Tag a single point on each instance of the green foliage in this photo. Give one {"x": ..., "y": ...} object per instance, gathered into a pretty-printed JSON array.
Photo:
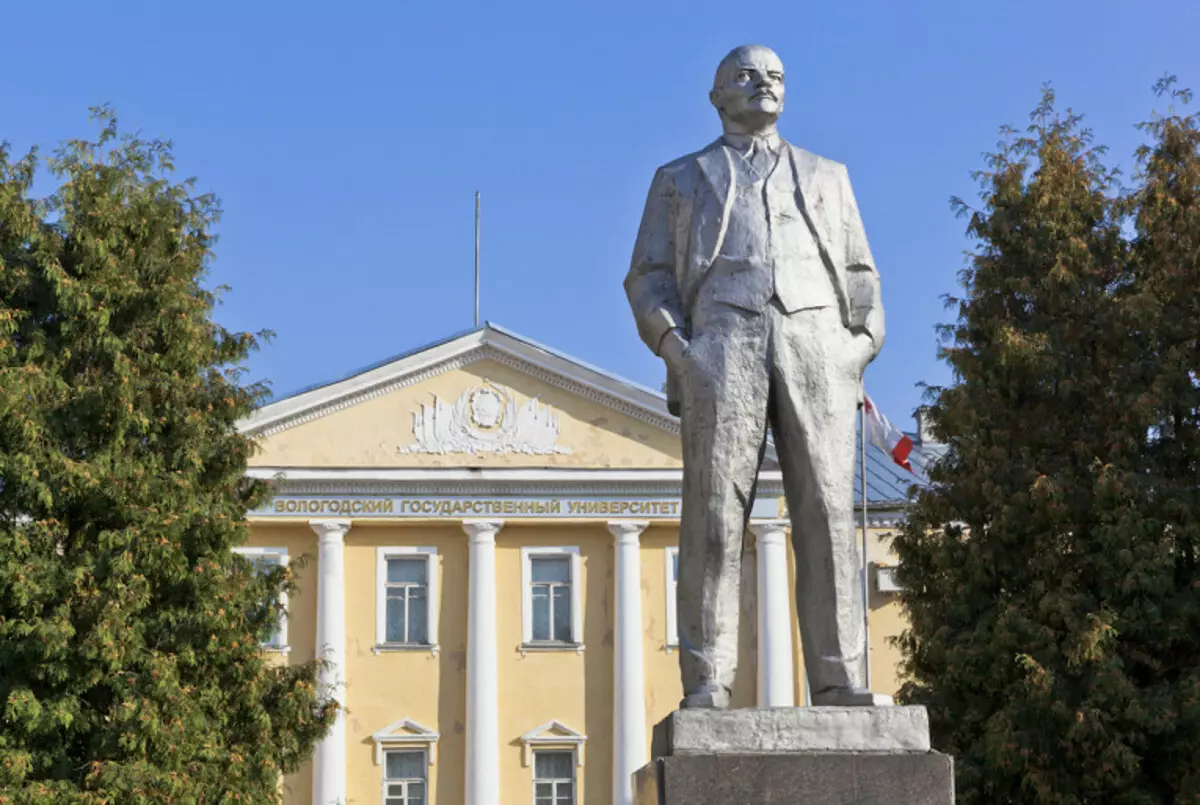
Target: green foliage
[
  {"x": 1051, "y": 572},
  {"x": 130, "y": 668}
]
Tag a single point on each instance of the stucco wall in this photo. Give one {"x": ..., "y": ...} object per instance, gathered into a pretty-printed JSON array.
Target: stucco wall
[{"x": 573, "y": 688}]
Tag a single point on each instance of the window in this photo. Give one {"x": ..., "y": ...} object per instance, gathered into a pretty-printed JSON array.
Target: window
[
  {"x": 554, "y": 777},
  {"x": 885, "y": 578},
  {"x": 404, "y": 778},
  {"x": 264, "y": 560},
  {"x": 551, "y": 599},
  {"x": 406, "y": 598},
  {"x": 551, "y": 615},
  {"x": 672, "y": 562},
  {"x": 407, "y": 605}
]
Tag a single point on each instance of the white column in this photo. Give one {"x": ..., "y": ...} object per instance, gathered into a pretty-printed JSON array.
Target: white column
[
  {"x": 775, "y": 675},
  {"x": 483, "y": 690},
  {"x": 629, "y": 694},
  {"x": 329, "y": 760}
]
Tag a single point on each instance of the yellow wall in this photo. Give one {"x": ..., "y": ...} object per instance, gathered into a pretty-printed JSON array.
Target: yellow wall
[
  {"x": 887, "y": 620},
  {"x": 369, "y": 433},
  {"x": 663, "y": 687},
  {"x": 573, "y": 688},
  {"x": 386, "y": 687},
  {"x": 567, "y": 686},
  {"x": 301, "y": 546}
]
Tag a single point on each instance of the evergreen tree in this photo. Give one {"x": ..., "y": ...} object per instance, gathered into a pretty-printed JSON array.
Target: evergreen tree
[
  {"x": 1165, "y": 209},
  {"x": 130, "y": 662},
  {"x": 1050, "y": 571}
]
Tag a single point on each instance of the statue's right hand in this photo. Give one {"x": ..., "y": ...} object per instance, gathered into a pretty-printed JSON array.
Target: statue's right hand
[{"x": 673, "y": 350}]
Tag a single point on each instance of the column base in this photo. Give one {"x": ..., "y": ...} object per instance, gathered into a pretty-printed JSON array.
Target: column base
[{"x": 779, "y": 756}]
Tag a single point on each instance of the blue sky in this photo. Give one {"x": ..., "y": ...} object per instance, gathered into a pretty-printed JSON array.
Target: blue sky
[{"x": 346, "y": 141}]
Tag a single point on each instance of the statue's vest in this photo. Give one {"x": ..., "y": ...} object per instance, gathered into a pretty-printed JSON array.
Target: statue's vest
[{"x": 768, "y": 248}]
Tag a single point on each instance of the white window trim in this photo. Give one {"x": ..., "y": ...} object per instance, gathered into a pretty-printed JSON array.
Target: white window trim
[
  {"x": 382, "y": 554},
  {"x": 527, "y": 556},
  {"x": 574, "y": 776},
  {"x": 885, "y": 578},
  {"x": 669, "y": 554},
  {"x": 411, "y": 747},
  {"x": 545, "y": 737},
  {"x": 420, "y": 738},
  {"x": 281, "y": 554}
]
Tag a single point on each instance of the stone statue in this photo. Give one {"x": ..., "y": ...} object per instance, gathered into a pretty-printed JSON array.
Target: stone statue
[{"x": 752, "y": 279}]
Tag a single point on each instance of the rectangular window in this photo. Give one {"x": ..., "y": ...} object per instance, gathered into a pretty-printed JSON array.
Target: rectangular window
[
  {"x": 551, "y": 599},
  {"x": 407, "y": 592},
  {"x": 404, "y": 778},
  {"x": 264, "y": 560},
  {"x": 406, "y": 581},
  {"x": 554, "y": 778},
  {"x": 672, "y": 561},
  {"x": 551, "y": 595}
]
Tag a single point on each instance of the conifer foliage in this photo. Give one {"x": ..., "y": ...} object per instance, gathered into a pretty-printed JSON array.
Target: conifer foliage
[
  {"x": 1051, "y": 571},
  {"x": 130, "y": 662}
]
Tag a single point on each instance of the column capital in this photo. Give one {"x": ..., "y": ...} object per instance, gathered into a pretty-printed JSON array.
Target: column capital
[
  {"x": 769, "y": 531},
  {"x": 330, "y": 530},
  {"x": 482, "y": 530},
  {"x": 627, "y": 531}
]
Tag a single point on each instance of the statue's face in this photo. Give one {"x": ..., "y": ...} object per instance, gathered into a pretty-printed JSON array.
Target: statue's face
[{"x": 749, "y": 86}]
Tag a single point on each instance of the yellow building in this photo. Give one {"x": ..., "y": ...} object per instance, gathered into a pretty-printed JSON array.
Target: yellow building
[{"x": 484, "y": 535}]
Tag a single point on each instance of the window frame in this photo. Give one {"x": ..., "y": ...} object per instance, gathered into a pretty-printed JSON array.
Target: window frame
[
  {"x": 885, "y": 579},
  {"x": 575, "y": 765},
  {"x": 429, "y": 554},
  {"x": 671, "y": 557},
  {"x": 528, "y": 554},
  {"x": 425, "y": 764},
  {"x": 281, "y": 644}
]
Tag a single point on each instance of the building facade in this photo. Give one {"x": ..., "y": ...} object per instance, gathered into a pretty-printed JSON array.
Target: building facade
[{"x": 484, "y": 536}]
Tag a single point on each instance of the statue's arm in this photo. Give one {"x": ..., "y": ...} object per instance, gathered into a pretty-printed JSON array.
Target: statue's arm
[
  {"x": 650, "y": 285},
  {"x": 862, "y": 278}
]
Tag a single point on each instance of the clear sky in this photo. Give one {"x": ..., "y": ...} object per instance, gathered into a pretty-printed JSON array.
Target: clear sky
[{"x": 346, "y": 141}]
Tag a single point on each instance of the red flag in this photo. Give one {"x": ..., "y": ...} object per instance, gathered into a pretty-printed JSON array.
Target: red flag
[{"x": 887, "y": 437}]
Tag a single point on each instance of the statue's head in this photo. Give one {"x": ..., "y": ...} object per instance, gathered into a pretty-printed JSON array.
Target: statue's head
[{"x": 748, "y": 88}]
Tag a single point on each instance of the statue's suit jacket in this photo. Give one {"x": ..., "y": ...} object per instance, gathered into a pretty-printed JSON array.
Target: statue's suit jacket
[{"x": 683, "y": 228}]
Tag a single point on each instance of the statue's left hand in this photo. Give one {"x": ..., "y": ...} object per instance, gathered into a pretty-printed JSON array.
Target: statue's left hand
[{"x": 863, "y": 350}]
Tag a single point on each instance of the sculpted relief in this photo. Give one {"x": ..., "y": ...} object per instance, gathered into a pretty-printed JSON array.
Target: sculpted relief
[{"x": 485, "y": 420}]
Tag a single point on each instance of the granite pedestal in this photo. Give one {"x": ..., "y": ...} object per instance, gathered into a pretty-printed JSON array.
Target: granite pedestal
[{"x": 797, "y": 756}]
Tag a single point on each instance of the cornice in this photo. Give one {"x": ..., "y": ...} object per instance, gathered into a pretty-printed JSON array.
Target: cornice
[
  {"x": 483, "y": 352},
  {"x": 362, "y": 395},
  {"x": 667, "y": 423},
  {"x": 455, "y": 488}
]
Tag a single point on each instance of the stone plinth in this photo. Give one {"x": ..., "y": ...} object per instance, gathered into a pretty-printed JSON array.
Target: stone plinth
[{"x": 813, "y": 755}]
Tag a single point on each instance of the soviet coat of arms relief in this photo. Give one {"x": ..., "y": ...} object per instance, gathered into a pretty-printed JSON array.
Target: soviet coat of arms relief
[{"x": 485, "y": 419}]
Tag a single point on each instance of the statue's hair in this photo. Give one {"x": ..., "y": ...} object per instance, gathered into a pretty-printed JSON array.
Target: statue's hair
[{"x": 731, "y": 59}]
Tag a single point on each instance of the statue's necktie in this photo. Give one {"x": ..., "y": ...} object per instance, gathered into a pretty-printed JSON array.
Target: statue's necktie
[{"x": 759, "y": 159}]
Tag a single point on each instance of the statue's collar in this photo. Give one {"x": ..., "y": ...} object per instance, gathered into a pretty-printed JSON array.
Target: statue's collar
[{"x": 742, "y": 142}]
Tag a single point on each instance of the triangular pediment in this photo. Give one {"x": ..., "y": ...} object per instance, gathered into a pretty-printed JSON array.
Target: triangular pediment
[
  {"x": 406, "y": 733},
  {"x": 405, "y": 728},
  {"x": 488, "y": 398},
  {"x": 553, "y": 731}
]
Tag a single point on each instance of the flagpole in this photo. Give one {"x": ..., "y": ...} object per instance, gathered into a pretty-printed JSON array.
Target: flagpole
[
  {"x": 866, "y": 576},
  {"x": 476, "y": 258}
]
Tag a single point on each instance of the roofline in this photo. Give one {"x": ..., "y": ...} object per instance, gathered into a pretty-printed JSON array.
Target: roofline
[
  {"x": 372, "y": 366},
  {"x": 422, "y": 362},
  {"x": 495, "y": 342}
]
